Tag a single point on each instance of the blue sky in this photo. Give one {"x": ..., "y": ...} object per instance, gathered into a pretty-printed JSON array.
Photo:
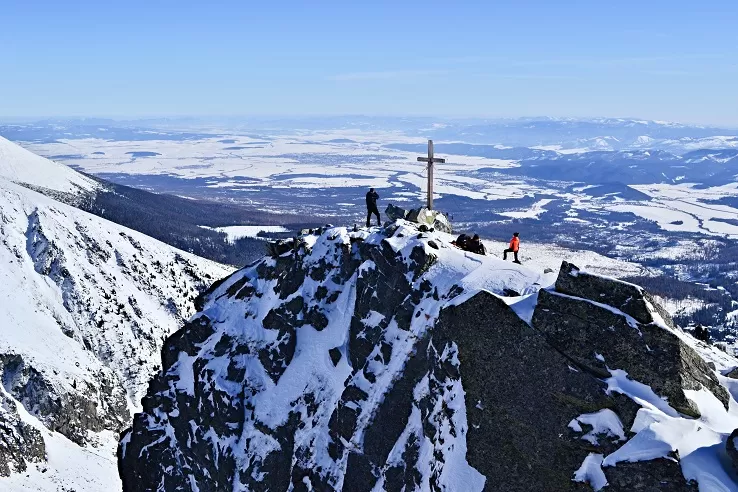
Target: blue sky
[{"x": 654, "y": 59}]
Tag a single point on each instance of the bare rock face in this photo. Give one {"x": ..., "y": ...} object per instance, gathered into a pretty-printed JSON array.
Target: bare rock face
[
  {"x": 731, "y": 447},
  {"x": 657, "y": 475},
  {"x": 520, "y": 395},
  {"x": 19, "y": 442},
  {"x": 335, "y": 368},
  {"x": 626, "y": 297},
  {"x": 72, "y": 413}
]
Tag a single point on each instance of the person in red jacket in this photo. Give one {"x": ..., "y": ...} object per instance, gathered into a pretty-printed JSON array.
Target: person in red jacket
[{"x": 514, "y": 247}]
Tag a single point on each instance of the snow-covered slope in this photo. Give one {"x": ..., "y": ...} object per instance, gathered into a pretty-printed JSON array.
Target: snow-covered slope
[
  {"x": 24, "y": 167},
  {"x": 390, "y": 360},
  {"x": 85, "y": 305}
]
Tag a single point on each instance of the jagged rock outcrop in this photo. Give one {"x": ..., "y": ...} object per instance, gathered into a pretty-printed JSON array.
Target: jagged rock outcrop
[
  {"x": 583, "y": 318},
  {"x": 97, "y": 406},
  {"x": 393, "y": 361},
  {"x": 20, "y": 443}
]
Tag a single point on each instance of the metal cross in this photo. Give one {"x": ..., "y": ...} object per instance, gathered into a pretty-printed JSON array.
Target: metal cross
[{"x": 430, "y": 160}]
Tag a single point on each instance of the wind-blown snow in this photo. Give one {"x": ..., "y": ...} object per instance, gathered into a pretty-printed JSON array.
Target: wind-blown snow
[
  {"x": 661, "y": 430},
  {"x": 591, "y": 472},
  {"x": 605, "y": 422}
]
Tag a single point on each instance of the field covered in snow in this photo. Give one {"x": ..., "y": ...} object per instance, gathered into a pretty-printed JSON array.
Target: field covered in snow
[{"x": 327, "y": 164}]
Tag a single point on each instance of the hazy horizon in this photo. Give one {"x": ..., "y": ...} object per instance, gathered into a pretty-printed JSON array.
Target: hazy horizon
[{"x": 256, "y": 118}]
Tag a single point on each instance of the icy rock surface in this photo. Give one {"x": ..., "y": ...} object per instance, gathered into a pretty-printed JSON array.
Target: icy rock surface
[{"x": 387, "y": 359}]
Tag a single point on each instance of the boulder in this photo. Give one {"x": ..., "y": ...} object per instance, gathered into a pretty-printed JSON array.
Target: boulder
[
  {"x": 578, "y": 319},
  {"x": 431, "y": 218},
  {"x": 628, "y": 298},
  {"x": 275, "y": 249},
  {"x": 520, "y": 397},
  {"x": 662, "y": 474},
  {"x": 394, "y": 213},
  {"x": 442, "y": 224}
]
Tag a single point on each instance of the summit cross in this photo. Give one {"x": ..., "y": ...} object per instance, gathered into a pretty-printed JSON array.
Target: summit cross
[{"x": 430, "y": 160}]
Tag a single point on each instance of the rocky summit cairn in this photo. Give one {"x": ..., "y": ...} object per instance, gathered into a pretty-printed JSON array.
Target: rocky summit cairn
[
  {"x": 373, "y": 360},
  {"x": 422, "y": 216}
]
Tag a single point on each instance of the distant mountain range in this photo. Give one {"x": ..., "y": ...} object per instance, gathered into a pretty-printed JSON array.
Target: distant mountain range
[{"x": 565, "y": 133}]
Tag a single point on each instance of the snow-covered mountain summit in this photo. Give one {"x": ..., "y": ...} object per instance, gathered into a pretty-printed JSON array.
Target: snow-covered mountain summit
[
  {"x": 85, "y": 305},
  {"x": 23, "y": 167},
  {"x": 390, "y": 360}
]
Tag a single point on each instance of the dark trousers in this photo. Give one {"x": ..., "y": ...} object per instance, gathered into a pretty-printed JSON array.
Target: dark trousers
[
  {"x": 510, "y": 250},
  {"x": 369, "y": 212}
]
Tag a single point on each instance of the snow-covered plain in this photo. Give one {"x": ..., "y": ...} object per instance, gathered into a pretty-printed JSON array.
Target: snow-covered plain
[
  {"x": 290, "y": 161},
  {"x": 343, "y": 159}
]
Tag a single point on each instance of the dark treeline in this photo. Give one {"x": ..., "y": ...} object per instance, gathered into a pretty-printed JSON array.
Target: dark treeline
[
  {"x": 178, "y": 221},
  {"x": 677, "y": 289},
  {"x": 717, "y": 302}
]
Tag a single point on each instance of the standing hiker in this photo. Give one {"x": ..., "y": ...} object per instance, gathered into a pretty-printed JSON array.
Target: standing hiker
[
  {"x": 514, "y": 247},
  {"x": 371, "y": 207}
]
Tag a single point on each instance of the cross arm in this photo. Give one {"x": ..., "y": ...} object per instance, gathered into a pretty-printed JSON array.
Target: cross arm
[{"x": 435, "y": 159}]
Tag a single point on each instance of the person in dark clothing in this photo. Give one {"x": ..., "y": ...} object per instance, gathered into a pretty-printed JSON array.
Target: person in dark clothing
[
  {"x": 470, "y": 244},
  {"x": 371, "y": 207},
  {"x": 476, "y": 246},
  {"x": 462, "y": 242},
  {"x": 514, "y": 247}
]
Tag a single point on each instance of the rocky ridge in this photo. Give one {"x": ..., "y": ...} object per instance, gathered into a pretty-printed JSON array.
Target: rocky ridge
[{"x": 386, "y": 359}]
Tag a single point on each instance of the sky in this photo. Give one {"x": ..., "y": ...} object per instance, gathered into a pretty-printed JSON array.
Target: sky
[{"x": 675, "y": 61}]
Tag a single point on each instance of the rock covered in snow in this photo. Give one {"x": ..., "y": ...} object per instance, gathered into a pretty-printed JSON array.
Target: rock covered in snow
[
  {"x": 20, "y": 443},
  {"x": 423, "y": 216},
  {"x": 375, "y": 360},
  {"x": 430, "y": 218}
]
